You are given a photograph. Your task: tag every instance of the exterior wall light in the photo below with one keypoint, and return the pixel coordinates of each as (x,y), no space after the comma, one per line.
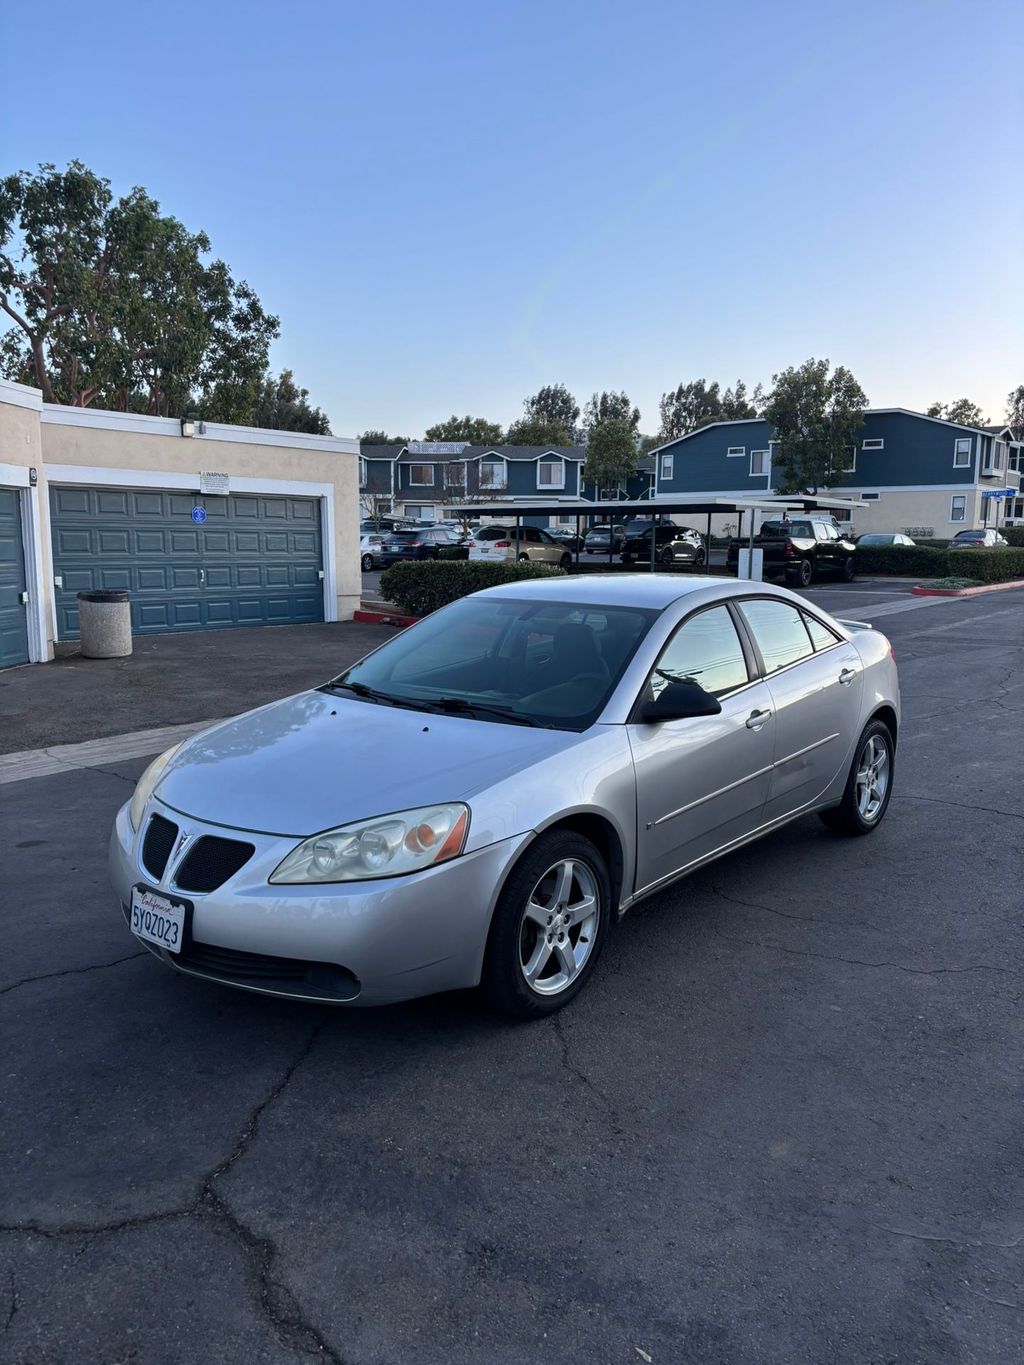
(188,426)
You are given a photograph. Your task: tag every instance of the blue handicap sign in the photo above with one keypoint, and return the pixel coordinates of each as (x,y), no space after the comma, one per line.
(199,514)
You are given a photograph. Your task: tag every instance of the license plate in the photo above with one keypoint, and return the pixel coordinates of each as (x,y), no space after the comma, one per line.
(157,919)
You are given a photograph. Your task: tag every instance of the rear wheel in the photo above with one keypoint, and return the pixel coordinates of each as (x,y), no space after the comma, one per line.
(548,928)
(367,563)
(566,561)
(524,558)
(802,574)
(699,559)
(869,785)
(849,569)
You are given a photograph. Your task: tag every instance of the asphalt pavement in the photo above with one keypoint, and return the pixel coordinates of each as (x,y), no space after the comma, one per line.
(782,1123)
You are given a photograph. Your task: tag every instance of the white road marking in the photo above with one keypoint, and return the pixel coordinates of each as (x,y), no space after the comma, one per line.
(94,753)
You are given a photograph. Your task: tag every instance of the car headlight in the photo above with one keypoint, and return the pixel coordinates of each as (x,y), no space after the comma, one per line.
(146,783)
(388,846)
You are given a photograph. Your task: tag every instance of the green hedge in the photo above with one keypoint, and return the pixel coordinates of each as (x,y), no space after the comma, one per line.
(921,561)
(1014,534)
(907,561)
(452,553)
(420,587)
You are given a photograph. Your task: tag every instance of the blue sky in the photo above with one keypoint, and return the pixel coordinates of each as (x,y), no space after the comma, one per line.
(450,204)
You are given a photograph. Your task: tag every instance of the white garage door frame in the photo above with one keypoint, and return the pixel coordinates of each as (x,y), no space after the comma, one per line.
(90,477)
(17,476)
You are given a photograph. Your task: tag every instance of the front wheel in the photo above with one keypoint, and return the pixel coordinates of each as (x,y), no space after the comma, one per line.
(849,569)
(869,785)
(666,556)
(566,561)
(548,928)
(367,563)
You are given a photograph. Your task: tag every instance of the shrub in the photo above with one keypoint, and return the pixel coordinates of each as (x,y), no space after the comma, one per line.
(420,587)
(908,561)
(452,552)
(989,566)
(1015,535)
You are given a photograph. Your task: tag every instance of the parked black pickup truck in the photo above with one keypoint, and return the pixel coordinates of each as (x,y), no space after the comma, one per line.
(800,549)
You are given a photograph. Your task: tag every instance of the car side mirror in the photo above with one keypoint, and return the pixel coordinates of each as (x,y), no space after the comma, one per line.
(679,701)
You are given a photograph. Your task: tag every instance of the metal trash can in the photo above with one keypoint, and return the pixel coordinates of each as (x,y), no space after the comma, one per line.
(105,624)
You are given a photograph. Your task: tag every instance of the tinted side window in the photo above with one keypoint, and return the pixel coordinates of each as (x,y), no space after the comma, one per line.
(705,650)
(779,631)
(821,636)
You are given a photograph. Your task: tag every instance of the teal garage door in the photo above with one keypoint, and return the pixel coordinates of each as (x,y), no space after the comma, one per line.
(13,616)
(188,561)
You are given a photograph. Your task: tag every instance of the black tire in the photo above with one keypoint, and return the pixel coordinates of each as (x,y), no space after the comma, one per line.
(848,818)
(803,574)
(566,561)
(666,556)
(524,558)
(367,563)
(699,559)
(503,980)
(849,569)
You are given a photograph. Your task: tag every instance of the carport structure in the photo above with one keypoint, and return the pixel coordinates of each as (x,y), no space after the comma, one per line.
(655,509)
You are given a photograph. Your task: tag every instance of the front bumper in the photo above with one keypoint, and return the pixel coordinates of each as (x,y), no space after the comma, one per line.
(388,940)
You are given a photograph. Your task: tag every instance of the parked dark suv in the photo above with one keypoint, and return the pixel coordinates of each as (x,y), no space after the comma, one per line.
(423,542)
(672,545)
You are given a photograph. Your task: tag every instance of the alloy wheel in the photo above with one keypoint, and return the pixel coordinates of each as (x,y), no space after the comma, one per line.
(559,926)
(872,780)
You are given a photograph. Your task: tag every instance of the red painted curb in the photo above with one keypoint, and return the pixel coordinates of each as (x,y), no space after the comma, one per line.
(966,592)
(384,618)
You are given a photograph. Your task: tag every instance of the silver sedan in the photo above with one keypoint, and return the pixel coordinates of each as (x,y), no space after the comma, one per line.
(479,800)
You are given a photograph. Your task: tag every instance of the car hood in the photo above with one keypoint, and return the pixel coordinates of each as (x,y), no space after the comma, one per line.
(317,760)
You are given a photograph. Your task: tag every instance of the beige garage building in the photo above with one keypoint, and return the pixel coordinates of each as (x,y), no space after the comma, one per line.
(206,526)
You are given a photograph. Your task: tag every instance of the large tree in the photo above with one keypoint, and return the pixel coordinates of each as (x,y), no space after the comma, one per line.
(113,304)
(693,405)
(281,405)
(600,406)
(816,417)
(611,453)
(1015,410)
(476,430)
(376,436)
(962,410)
(550,419)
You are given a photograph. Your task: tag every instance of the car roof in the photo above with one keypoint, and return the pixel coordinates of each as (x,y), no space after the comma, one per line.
(653,591)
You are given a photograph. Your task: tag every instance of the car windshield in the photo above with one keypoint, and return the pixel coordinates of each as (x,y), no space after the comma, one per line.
(541,663)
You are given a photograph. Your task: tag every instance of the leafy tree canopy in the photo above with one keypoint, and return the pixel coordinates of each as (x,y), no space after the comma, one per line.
(282,406)
(816,417)
(1015,410)
(611,452)
(550,419)
(965,412)
(694,405)
(476,430)
(114,304)
(376,437)
(600,406)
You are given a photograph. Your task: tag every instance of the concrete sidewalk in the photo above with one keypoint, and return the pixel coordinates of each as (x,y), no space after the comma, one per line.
(172,679)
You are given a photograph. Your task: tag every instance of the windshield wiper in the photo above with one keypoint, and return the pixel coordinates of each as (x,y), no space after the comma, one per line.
(461,705)
(369,694)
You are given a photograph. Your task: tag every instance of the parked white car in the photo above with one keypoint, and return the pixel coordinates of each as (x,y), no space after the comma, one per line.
(369,550)
(501,542)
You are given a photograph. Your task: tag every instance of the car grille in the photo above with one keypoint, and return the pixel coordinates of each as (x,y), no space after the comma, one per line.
(210,862)
(157,845)
(285,975)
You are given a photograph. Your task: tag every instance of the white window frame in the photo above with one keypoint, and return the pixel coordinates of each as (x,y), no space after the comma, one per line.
(421,483)
(667,464)
(364,472)
(958,497)
(735,452)
(994,463)
(551,462)
(875,443)
(453,483)
(500,466)
(767,462)
(957,452)
(850,468)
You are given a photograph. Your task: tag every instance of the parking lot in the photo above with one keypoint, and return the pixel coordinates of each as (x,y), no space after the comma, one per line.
(782,1124)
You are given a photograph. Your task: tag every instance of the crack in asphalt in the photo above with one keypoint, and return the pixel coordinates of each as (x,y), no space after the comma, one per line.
(14,1304)
(959,805)
(860,962)
(784,914)
(72,971)
(953,1241)
(558,1025)
(276,1302)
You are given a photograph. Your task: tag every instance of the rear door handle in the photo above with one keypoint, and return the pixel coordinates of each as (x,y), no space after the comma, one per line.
(847,676)
(757,718)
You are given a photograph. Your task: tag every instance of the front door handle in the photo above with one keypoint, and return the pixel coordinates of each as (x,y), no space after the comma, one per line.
(757,718)
(847,676)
